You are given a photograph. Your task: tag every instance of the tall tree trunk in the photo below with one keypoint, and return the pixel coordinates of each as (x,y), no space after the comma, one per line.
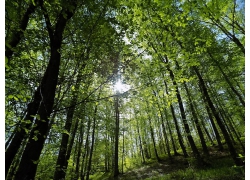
(162,124)
(241,99)
(20,133)
(140,142)
(207,133)
(217,135)
(18,34)
(30,158)
(202,139)
(164,129)
(153,139)
(232,150)
(183,115)
(165,137)
(60,170)
(116,157)
(170,133)
(226,116)
(79,151)
(15,162)
(180,138)
(92,143)
(86,153)
(123,149)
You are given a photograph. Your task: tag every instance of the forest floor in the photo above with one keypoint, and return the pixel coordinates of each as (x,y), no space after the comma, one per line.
(220,167)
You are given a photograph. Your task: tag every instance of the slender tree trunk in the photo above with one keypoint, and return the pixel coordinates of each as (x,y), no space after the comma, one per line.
(183,115)
(232,150)
(207,133)
(163,129)
(217,135)
(228,119)
(241,99)
(79,151)
(123,149)
(202,139)
(171,134)
(86,153)
(140,142)
(116,157)
(180,138)
(60,170)
(71,143)
(153,139)
(166,138)
(92,143)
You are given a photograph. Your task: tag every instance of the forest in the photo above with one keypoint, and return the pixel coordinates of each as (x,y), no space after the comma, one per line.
(115,89)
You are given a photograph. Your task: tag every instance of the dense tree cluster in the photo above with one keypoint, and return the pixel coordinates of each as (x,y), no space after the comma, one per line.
(184,62)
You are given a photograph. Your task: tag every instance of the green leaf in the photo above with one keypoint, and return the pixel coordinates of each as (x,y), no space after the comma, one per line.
(6,63)
(35,138)
(65,131)
(33,2)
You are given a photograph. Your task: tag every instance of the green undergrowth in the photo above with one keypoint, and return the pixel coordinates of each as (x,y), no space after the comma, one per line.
(219,166)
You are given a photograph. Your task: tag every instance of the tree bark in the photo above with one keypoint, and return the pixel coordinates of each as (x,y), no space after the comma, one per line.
(18,34)
(92,143)
(181,142)
(60,171)
(241,99)
(183,115)
(202,139)
(116,157)
(232,150)
(20,133)
(140,142)
(30,158)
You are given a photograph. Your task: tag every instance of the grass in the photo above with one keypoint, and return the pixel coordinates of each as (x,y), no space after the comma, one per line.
(221,166)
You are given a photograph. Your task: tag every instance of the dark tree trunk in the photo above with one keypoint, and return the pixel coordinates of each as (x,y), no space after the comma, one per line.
(86,153)
(30,158)
(18,34)
(153,139)
(202,139)
(227,118)
(140,142)
(183,115)
(241,99)
(232,150)
(15,162)
(180,138)
(92,143)
(166,138)
(79,151)
(60,171)
(170,133)
(164,129)
(20,133)
(207,133)
(217,135)
(116,157)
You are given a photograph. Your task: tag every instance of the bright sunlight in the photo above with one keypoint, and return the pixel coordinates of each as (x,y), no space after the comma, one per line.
(120,87)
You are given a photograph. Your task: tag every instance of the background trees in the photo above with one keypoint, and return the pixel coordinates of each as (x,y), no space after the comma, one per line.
(184,62)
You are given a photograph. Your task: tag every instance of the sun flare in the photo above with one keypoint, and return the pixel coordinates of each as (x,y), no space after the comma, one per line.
(120,87)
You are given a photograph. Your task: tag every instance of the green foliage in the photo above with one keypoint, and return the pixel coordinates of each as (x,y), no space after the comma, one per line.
(151,45)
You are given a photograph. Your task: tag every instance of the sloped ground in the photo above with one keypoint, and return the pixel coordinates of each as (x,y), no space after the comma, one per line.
(220,167)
